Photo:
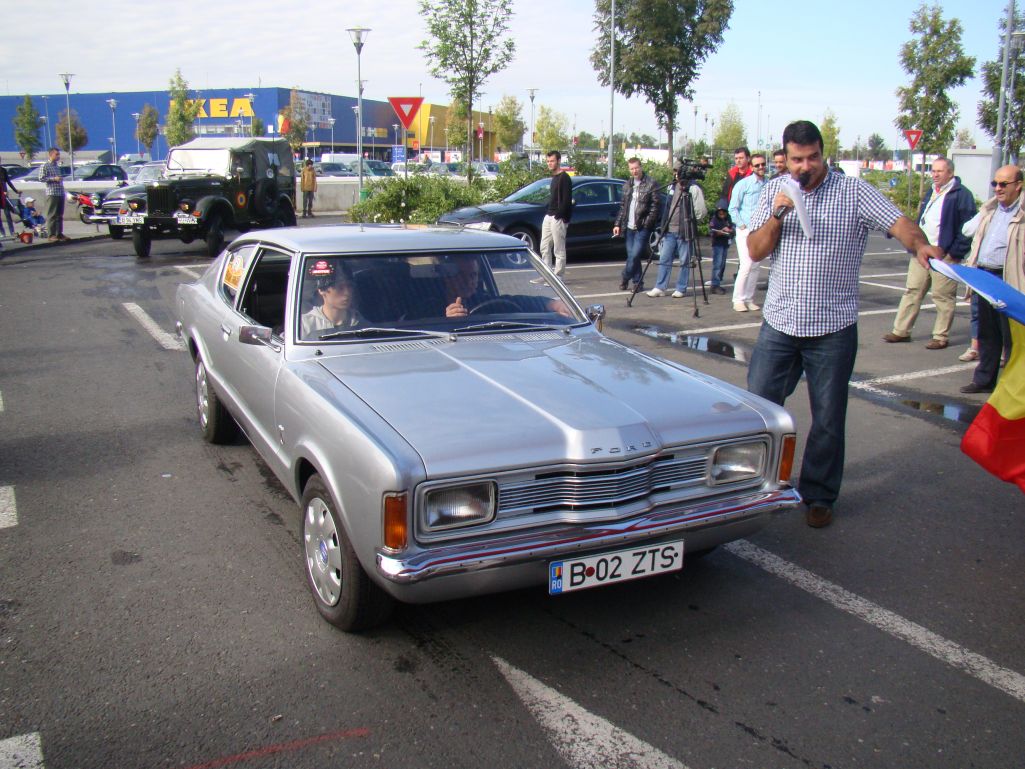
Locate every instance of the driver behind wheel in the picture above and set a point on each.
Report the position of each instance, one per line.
(337, 308)
(462, 286)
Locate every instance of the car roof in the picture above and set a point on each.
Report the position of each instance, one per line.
(383, 238)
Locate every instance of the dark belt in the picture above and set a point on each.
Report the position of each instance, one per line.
(993, 270)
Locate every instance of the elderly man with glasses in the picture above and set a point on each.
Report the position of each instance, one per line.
(998, 248)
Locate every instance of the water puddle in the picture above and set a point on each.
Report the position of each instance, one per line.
(700, 343)
(955, 412)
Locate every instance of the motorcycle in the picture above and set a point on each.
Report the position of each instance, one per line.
(86, 205)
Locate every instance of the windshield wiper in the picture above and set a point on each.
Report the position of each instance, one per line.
(500, 324)
(372, 331)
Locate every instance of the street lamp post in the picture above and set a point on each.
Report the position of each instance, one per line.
(66, 77)
(138, 146)
(530, 155)
(331, 122)
(359, 36)
(46, 109)
(252, 112)
(395, 128)
(112, 103)
(355, 115)
(431, 120)
(46, 128)
(480, 140)
(612, 84)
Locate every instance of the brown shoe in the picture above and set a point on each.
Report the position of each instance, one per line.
(936, 344)
(818, 515)
(891, 337)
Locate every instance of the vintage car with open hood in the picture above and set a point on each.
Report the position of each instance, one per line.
(452, 422)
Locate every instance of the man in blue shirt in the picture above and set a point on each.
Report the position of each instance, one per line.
(742, 206)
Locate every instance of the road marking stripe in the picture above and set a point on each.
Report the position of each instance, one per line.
(915, 374)
(8, 510)
(1, 402)
(881, 285)
(164, 339)
(188, 271)
(582, 738)
(22, 752)
(987, 671)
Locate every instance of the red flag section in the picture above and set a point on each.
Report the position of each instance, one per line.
(996, 438)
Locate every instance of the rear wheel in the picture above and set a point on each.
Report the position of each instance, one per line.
(214, 234)
(345, 596)
(529, 237)
(142, 243)
(215, 422)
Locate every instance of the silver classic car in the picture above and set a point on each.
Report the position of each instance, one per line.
(453, 423)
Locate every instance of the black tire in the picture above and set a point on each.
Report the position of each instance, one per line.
(215, 422)
(345, 596)
(214, 233)
(142, 243)
(528, 236)
(265, 198)
(84, 214)
(286, 215)
(116, 232)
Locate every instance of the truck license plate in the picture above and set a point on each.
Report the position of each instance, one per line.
(186, 219)
(131, 219)
(604, 569)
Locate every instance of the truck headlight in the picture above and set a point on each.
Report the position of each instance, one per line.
(737, 462)
(457, 506)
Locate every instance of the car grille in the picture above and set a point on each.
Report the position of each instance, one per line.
(160, 201)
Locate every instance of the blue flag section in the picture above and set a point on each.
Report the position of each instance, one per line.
(1005, 299)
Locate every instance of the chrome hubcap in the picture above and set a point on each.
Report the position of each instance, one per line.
(323, 555)
(202, 395)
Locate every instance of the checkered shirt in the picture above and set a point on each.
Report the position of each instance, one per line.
(51, 174)
(813, 286)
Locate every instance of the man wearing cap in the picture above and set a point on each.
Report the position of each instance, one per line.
(337, 309)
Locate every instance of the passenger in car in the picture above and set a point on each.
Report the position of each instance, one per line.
(337, 309)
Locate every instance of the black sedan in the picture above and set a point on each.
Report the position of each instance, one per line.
(596, 202)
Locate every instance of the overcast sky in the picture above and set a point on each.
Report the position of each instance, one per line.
(842, 57)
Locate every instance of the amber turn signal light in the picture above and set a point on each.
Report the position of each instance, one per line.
(786, 458)
(395, 529)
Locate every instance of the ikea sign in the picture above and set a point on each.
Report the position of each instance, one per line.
(217, 107)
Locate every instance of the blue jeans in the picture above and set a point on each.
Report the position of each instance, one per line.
(636, 243)
(672, 246)
(719, 261)
(827, 362)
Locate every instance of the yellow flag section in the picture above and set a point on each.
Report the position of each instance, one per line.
(996, 438)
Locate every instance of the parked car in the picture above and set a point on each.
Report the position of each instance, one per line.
(100, 172)
(485, 170)
(373, 168)
(332, 169)
(108, 204)
(596, 202)
(456, 424)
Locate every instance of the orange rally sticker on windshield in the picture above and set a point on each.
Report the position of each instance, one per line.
(320, 268)
(233, 273)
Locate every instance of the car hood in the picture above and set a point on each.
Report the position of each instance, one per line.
(502, 401)
(485, 212)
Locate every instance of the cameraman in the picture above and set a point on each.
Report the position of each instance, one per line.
(675, 226)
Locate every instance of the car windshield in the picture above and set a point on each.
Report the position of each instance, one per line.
(150, 173)
(460, 292)
(213, 161)
(535, 192)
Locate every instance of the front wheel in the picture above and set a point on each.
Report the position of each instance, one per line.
(116, 232)
(214, 234)
(527, 235)
(215, 422)
(345, 596)
(84, 214)
(141, 242)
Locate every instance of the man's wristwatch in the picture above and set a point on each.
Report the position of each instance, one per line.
(780, 212)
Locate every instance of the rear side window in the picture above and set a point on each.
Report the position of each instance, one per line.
(236, 265)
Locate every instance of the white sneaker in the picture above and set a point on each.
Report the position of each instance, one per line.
(656, 292)
(969, 354)
(739, 307)
(679, 294)
(752, 306)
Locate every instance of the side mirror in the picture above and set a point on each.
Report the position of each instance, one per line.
(260, 335)
(238, 171)
(596, 314)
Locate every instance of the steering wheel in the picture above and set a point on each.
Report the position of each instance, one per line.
(500, 302)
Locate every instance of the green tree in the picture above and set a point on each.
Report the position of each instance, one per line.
(830, 130)
(509, 125)
(552, 129)
(181, 112)
(964, 140)
(587, 141)
(149, 127)
(296, 121)
(26, 128)
(936, 63)
(455, 126)
(259, 129)
(1014, 103)
(876, 148)
(79, 137)
(730, 134)
(660, 46)
(468, 44)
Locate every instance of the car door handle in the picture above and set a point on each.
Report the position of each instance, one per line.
(226, 331)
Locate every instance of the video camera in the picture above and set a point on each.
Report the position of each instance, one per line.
(685, 169)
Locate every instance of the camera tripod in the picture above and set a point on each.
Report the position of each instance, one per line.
(689, 234)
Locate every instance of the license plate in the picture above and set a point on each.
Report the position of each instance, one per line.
(604, 569)
(186, 219)
(132, 219)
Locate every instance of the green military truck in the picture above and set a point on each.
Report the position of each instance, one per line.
(210, 186)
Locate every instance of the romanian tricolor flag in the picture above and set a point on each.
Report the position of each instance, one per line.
(996, 438)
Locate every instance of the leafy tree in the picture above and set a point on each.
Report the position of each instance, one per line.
(26, 128)
(259, 129)
(659, 46)
(1014, 103)
(181, 113)
(455, 135)
(730, 134)
(830, 136)
(552, 129)
(509, 124)
(876, 148)
(296, 121)
(587, 140)
(936, 62)
(149, 127)
(469, 43)
(964, 140)
(79, 137)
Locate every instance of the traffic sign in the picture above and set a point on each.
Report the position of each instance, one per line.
(913, 135)
(406, 108)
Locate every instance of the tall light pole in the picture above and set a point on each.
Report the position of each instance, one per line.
(331, 122)
(112, 103)
(355, 115)
(696, 122)
(252, 112)
(359, 36)
(1017, 41)
(46, 128)
(138, 147)
(46, 109)
(530, 156)
(66, 77)
(395, 128)
(998, 144)
(612, 84)
(480, 140)
(431, 120)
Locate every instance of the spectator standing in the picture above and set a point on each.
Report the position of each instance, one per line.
(998, 248)
(779, 163)
(720, 226)
(811, 308)
(947, 207)
(557, 215)
(5, 204)
(50, 174)
(742, 207)
(308, 187)
(676, 231)
(637, 217)
(741, 168)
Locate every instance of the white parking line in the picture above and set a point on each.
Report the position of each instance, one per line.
(8, 509)
(188, 271)
(982, 668)
(165, 340)
(915, 375)
(22, 752)
(582, 738)
(1, 403)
